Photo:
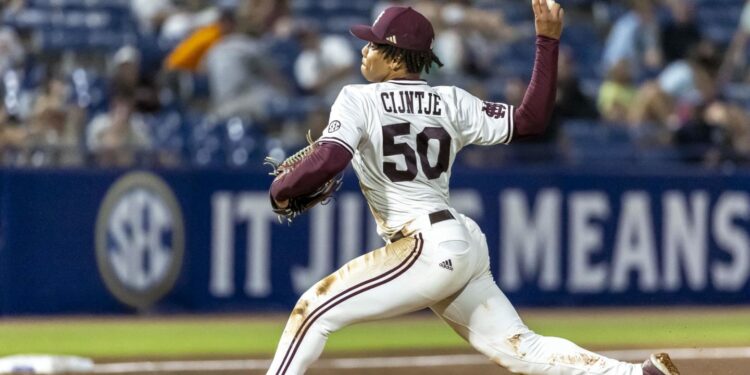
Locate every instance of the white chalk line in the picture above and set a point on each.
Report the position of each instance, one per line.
(406, 362)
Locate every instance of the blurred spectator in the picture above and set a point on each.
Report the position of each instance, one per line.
(681, 31)
(635, 37)
(466, 37)
(735, 66)
(680, 88)
(325, 64)
(183, 20)
(450, 37)
(718, 133)
(151, 14)
(17, 99)
(55, 128)
(129, 80)
(13, 137)
(116, 137)
(262, 16)
(189, 54)
(243, 80)
(12, 72)
(12, 53)
(12, 6)
(617, 93)
(571, 102)
(736, 121)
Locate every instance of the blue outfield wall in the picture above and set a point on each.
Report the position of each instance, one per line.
(206, 241)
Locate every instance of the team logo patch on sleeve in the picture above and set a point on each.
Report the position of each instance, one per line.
(333, 126)
(494, 110)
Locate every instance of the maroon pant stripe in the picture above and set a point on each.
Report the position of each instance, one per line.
(342, 296)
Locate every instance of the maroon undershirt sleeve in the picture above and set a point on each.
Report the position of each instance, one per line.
(324, 163)
(532, 116)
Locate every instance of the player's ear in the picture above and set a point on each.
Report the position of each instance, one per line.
(395, 64)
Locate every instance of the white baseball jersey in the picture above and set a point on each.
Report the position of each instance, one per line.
(404, 136)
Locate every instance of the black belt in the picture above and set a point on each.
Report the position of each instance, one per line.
(435, 218)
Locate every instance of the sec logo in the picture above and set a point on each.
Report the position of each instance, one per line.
(140, 239)
(333, 126)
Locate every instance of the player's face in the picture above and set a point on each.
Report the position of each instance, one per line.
(374, 66)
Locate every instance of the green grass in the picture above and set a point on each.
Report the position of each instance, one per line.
(248, 336)
(700, 330)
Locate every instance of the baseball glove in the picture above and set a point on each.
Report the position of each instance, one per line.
(300, 204)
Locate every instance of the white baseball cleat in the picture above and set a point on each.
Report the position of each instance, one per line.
(659, 364)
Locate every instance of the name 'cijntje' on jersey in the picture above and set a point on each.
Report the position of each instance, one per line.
(411, 102)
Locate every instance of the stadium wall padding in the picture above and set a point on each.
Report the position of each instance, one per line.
(102, 242)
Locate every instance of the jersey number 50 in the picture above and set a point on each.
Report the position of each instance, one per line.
(390, 148)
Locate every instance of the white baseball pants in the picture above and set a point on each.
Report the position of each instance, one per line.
(407, 276)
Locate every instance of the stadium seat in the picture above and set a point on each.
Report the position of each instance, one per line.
(166, 128)
(653, 155)
(586, 54)
(340, 24)
(205, 146)
(516, 11)
(361, 7)
(739, 94)
(94, 4)
(593, 141)
(285, 52)
(719, 22)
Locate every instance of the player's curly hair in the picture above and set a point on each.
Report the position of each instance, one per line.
(415, 61)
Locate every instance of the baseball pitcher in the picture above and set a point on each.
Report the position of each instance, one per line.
(402, 135)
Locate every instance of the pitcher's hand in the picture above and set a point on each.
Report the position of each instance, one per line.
(548, 21)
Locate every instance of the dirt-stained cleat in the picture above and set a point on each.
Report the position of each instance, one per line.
(660, 364)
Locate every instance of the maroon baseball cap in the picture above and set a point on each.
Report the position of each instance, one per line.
(402, 27)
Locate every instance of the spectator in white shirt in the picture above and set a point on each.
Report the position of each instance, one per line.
(116, 137)
(325, 64)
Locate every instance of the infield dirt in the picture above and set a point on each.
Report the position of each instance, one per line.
(687, 367)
